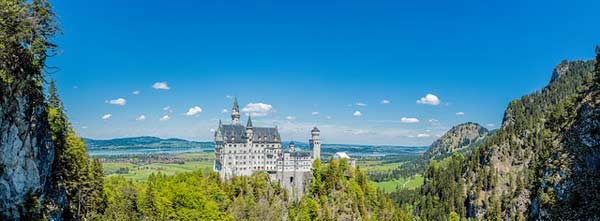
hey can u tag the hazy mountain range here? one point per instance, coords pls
(145, 144)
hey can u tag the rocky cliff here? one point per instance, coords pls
(458, 138)
(26, 150)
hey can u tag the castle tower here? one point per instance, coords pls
(292, 146)
(218, 135)
(235, 113)
(315, 143)
(249, 129)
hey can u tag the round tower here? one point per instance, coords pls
(315, 143)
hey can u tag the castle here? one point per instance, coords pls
(242, 150)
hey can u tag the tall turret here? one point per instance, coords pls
(235, 112)
(315, 143)
(218, 135)
(249, 129)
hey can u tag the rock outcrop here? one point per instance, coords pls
(459, 138)
(26, 152)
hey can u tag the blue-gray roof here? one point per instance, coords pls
(260, 134)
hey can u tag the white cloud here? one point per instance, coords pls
(433, 120)
(165, 118)
(315, 113)
(385, 101)
(409, 120)
(290, 118)
(193, 111)
(161, 86)
(141, 118)
(118, 101)
(106, 116)
(429, 99)
(228, 96)
(360, 104)
(224, 110)
(258, 109)
(357, 114)
(423, 135)
(460, 113)
(135, 92)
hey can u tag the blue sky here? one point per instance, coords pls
(292, 59)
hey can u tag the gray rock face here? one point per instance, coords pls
(26, 153)
(456, 139)
(560, 70)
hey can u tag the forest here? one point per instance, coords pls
(540, 165)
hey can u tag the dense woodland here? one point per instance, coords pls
(336, 192)
(537, 166)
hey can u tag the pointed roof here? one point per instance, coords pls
(236, 107)
(249, 124)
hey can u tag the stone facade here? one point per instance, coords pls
(242, 150)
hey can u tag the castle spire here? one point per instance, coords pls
(235, 112)
(249, 124)
(236, 107)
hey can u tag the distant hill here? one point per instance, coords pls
(144, 142)
(460, 138)
(147, 142)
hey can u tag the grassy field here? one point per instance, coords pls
(377, 165)
(391, 186)
(192, 162)
(204, 161)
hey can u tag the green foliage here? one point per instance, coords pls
(74, 174)
(341, 192)
(195, 196)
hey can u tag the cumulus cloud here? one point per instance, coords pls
(423, 135)
(460, 113)
(135, 92)
(315, 113)
(106, 116)
(161, 86)
(360, 104)
(194, 111)
(429, 99)
(165, 118)
(224, 111)
(118, 101)
(409, 120)
(290, 118)
(433, 120)
(141, 118)
(385, 101)
(357, 114)
(258, 109)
